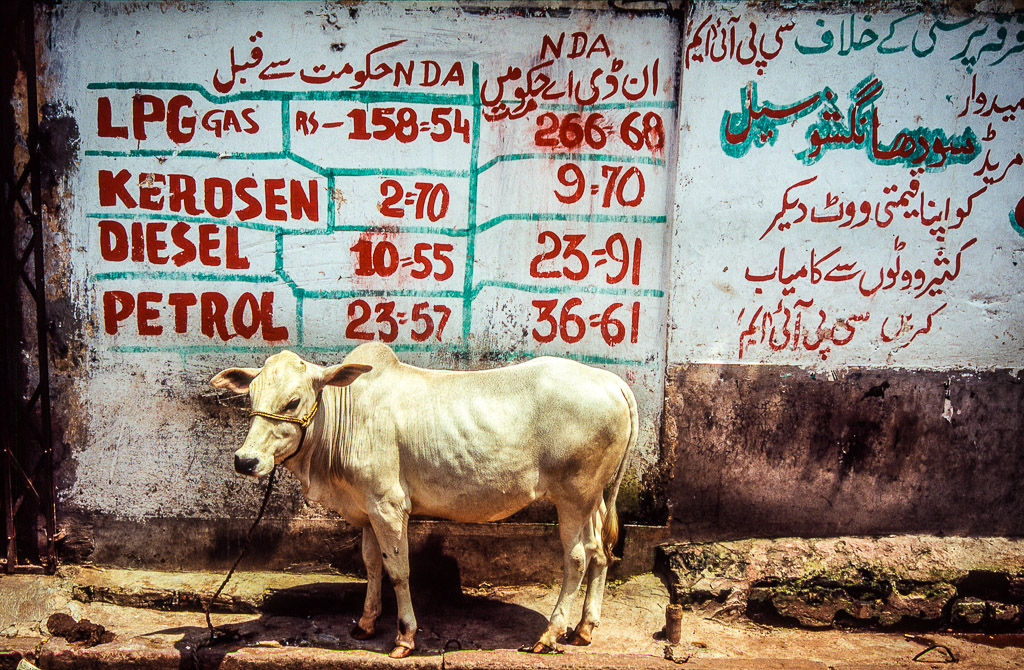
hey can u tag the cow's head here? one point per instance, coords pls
(284, 394)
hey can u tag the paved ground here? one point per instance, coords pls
(304, 622)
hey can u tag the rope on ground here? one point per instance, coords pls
(241, 555)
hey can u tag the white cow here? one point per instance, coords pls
(378, 440)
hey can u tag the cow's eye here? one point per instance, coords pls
(291, 405)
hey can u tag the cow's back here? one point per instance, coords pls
(477, 446)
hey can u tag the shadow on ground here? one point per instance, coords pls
(321, 615)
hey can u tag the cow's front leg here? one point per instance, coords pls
(390, 522)
(374, 564)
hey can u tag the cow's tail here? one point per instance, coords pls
(610, 525)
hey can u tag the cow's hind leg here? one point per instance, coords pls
(597, 571)
(571, 526)
(390, 522)
(374, 572)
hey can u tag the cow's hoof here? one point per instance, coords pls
(539, 648)
(360, 633)
(400, 652)
(579, 639)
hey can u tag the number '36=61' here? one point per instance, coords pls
(571, 327)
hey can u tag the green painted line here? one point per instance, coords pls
(161, 275)
(563, 107)
(272, 228)
(396, 172)
(360, 96)
(598, 290)
(300, 319)
(373, 172)
(279, 265)
(585, 218)
(332, 207)
(287, 154)
(172, 217)
(286, 127)
(308, 164)
(607, 360)
(342, 350)
(450, 232)
(606, 158)
(589, 359)
(186, 350)
(189, 153)
(1017, 228)
(376, 293)
(474, 175)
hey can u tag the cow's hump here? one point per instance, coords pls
(377, 354)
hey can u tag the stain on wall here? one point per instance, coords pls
(775, 451)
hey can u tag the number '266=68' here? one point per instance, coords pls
(384, 323)
(575, 130)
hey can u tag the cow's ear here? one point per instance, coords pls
(235, 379)
(343, 374)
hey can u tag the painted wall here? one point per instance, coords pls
(845, 324)
(858, 199)
(796, 233)
(306, 176)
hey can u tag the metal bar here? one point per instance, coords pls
(22, 179)
(42, 322)
(12, 546)
(9, 307)
(35, 398)
(29, 248)
(27, 281)
(30, 426)
(28, 488)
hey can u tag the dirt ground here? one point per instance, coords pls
(304, 621)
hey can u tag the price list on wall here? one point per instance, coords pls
(491, 197)
(426, 201)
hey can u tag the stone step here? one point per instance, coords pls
(246, 592)
(963, 583)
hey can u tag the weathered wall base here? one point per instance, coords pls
(770, 451)
(467, 554)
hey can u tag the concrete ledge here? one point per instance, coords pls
(964, 583)
(504, 553)
(12, 650)
(111, 658)
(247, 592)
(502, 660)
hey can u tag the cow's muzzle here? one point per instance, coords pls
(244, 465)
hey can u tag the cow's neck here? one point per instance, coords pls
(322, 445)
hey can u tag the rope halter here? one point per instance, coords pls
(304, 421)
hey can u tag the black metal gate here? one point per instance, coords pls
(28, 499)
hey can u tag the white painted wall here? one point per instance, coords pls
(273, 80)
(914, 265)
(418, 208)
